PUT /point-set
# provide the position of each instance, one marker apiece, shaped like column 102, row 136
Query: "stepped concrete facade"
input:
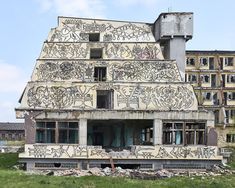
column 102, row 93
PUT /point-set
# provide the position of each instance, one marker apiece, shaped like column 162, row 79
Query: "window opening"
column 228, row 61
column 177, row 133
column 204, row 61
column 190, row 61
column 96, row 53
column 45, row 132
column 100, row 74
column 230, row 138
column 68, row 132
column 94, row 37
column 105, row 99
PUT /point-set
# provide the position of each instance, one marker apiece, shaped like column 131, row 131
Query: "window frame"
column 184, row 132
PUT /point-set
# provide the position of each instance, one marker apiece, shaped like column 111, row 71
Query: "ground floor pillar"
column 157, row 132
column 83, row 131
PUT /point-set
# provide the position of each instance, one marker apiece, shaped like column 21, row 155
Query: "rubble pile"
column 136, row 173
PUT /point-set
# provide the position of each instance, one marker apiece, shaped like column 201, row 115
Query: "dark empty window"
column 173, row 133
column 190, row 61
column 179, row 133
column 230, row 138
column 68, row 132
column 94, row 37
column 228, row 61
column 104, row 99
column 96, row 53
column 100, row 74
column 45, row 132
column 195, row 133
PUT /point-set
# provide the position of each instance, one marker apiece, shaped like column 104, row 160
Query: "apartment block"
column 212, row 73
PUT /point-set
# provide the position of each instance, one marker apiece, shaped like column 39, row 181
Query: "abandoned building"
column 212, row 73
column 11, row 131
column 11, row 136
column 113, row 92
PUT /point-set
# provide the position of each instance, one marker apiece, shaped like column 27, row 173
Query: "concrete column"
column 83, row 132
column 157, row 132
column 175, row 49
column 210, row 123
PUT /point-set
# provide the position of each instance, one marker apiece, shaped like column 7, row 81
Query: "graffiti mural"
column 145, row 51
column 132, row 71
column 137, row 51
column 158, row 97
column 156, row 71
column 66, row 70
column 64, row 50
column 136, row 152
column 57, row 97
column 72, row 30
column 179, row 97
column 174, row 97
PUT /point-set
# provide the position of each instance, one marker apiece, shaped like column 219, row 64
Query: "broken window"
column 96, row 53
column 192, row 78
column 68, row 132
column 100, row 74
column 195, row 133
column 228, row 61
column 230, row 138
column 190, row 61
column 45, row 132
column 207, row 95
column 205, row 78
column 173, row 133
column 231, row 95
column 147, row 136
column 104, row 99
column 232, row 114
column 94, row 37
column 231, row 78
column 179, row 133
column 204, row 61
column 217, row 115
column 211, row 63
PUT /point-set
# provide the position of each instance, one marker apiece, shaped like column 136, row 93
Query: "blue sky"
column 25, row 25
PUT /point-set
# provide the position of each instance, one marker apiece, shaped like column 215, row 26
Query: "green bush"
column 8, row 160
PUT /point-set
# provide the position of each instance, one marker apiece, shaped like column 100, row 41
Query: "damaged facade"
column 212, row 73
column 102, row 91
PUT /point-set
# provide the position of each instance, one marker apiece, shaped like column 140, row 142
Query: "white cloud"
column 81, row 8
column 12, row 83
column 12, row 78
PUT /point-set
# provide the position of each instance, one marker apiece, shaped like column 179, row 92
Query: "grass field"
column 16, row 178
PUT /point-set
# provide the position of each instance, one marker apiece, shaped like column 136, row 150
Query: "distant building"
column 12, row 131
column 212, row 73
column 101, row 92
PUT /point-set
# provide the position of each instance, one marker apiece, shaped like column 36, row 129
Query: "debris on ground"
column 216, row 170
